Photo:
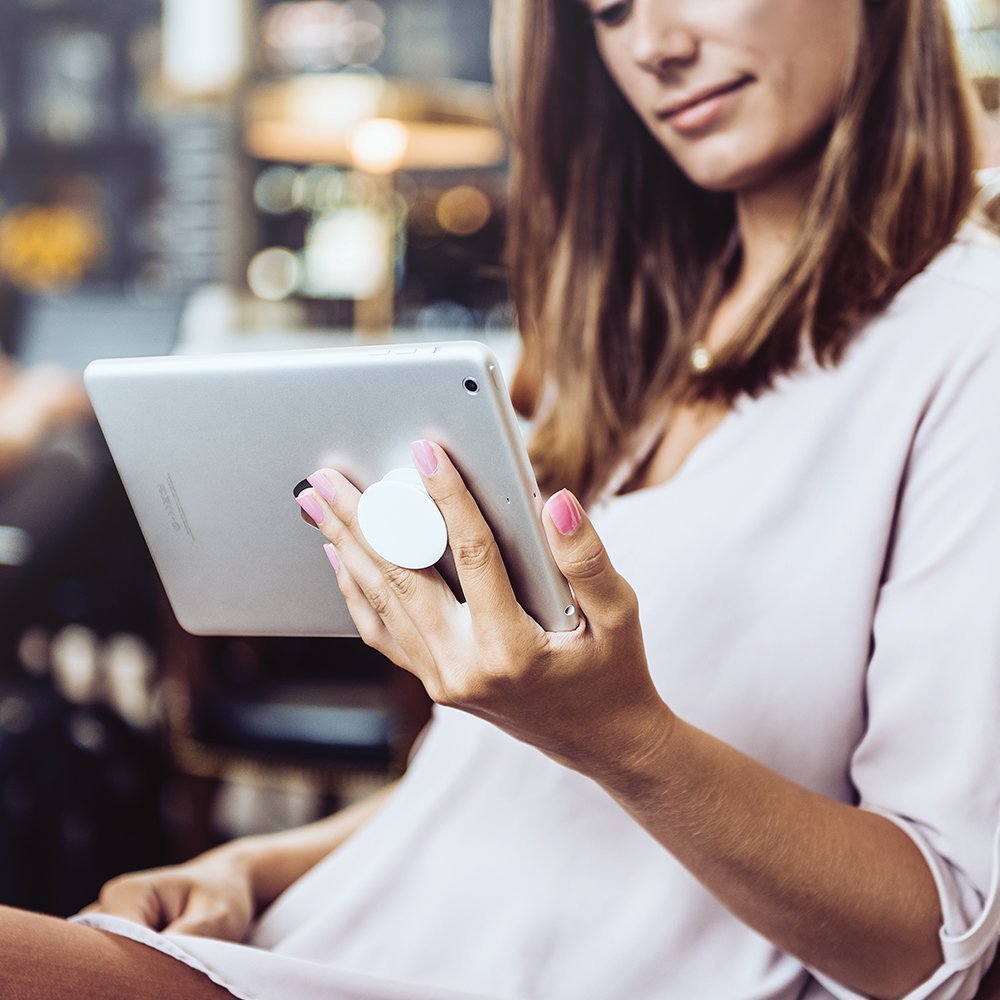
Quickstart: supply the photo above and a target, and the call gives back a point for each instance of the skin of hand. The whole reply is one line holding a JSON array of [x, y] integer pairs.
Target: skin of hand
[[570, 694], [211, 896], [219, 893], [784, 859]]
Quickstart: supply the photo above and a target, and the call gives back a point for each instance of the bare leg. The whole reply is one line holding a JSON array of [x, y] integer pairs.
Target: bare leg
[[44, 958]]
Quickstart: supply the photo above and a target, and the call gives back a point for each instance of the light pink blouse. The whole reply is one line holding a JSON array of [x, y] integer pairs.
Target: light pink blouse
[[820, 587]]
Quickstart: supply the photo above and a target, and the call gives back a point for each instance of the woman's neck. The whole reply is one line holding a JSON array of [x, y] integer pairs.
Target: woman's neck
[[769, 218]]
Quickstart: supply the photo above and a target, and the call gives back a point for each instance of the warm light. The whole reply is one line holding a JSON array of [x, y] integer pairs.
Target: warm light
[[378, 145], [330, 118], [463, 210], [47, 247], [333, 103]]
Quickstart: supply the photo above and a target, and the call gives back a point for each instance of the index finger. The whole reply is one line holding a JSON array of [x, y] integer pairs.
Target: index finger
[[481, 570]]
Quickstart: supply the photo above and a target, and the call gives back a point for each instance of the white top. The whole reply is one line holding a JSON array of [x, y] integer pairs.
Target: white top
[[820, 587]]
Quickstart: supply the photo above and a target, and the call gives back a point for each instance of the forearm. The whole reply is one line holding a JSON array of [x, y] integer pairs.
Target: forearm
[[274, 861], [844, 890]]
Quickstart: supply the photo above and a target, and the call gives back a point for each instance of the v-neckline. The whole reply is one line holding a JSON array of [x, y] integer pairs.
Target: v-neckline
[[694, 457]]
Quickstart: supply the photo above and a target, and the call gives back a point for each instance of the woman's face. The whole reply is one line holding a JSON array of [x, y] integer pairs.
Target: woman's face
[[734, 90]]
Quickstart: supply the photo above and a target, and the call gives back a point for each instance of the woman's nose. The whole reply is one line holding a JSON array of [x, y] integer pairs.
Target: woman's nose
[[660, 36]]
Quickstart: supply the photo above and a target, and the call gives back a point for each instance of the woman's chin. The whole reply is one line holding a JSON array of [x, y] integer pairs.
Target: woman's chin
[[721, 178]]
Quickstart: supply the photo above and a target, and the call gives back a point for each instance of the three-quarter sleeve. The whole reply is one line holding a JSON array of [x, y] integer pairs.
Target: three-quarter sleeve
[[930, 757]]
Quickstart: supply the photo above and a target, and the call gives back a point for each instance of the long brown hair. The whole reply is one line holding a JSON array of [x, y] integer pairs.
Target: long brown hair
[[612, 249]]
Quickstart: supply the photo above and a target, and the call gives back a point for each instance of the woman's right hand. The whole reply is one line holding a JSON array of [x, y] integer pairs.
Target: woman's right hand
[[209, 896]]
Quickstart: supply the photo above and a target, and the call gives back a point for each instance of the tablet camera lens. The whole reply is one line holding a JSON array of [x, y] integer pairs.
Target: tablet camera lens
[[471, 386]]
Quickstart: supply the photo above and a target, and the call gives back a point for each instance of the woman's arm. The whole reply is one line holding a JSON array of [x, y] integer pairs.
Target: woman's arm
[[275, 860], [842, 889]]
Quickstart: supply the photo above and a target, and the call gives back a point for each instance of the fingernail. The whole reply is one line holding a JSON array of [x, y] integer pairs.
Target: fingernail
[[319, 482], [311, 506], [424, 457], [331, 554], [563, 512]]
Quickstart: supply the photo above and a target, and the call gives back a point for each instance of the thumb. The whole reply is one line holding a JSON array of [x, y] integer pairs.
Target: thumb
[[581, 557]]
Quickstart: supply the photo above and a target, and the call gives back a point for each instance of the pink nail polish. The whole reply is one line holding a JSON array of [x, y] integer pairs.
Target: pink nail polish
[[311, 506], [331, 554], [322, 485], [564, 513], [424, 457]]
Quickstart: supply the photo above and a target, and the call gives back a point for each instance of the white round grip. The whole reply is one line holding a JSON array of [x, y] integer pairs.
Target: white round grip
[[401, 522]]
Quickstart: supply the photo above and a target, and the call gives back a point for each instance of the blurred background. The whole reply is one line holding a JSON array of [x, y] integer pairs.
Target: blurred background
[[182, 175]]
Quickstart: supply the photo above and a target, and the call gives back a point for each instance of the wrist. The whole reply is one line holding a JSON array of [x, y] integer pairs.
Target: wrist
[[640, 744], [245, 858]]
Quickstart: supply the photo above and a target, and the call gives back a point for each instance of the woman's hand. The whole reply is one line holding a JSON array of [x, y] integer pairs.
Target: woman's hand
[[218, 894], [211, 896], [584, 697]]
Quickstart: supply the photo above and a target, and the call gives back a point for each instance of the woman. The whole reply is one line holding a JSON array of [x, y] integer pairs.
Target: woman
[[762, 345]]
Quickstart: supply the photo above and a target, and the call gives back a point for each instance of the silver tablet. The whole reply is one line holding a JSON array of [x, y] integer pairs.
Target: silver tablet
[[210, 449]]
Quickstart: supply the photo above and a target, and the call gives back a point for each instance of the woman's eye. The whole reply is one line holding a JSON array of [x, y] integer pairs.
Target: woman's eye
[[611, 15]]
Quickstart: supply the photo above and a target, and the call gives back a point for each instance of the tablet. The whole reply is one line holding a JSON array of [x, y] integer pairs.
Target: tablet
[[211, 448]]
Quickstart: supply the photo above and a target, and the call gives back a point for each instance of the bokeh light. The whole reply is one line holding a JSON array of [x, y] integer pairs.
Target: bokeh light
[[274, 274], [378, 145], [463, 210], [274, 190]]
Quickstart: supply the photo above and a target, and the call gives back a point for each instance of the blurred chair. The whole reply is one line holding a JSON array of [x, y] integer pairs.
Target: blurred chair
[[328, 715]]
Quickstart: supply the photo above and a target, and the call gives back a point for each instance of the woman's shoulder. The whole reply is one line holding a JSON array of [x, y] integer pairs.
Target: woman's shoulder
[[953, 304], [943, 321], [968, 270]]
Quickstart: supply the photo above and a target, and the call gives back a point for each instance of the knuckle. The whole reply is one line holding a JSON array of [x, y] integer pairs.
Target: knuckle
[[116, 887], [336, 531], [380, 599], [473, 553], [624, 611], [374, 638], [586, 563], [449, 493], [348, 518], [402, 581]]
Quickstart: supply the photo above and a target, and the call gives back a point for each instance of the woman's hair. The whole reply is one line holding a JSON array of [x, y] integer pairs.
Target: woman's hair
[[615, 256]]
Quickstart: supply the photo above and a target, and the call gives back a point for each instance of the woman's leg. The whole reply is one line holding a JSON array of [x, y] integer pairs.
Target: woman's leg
[[44, 958]]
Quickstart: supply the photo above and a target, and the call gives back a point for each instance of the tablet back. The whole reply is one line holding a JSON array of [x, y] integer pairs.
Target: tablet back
[[210, 447]]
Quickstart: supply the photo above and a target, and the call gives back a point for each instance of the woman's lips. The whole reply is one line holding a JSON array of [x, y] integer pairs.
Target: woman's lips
[[701, 110]]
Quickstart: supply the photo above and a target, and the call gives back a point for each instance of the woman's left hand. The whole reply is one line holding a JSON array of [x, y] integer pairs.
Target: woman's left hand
[[583, 697]]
